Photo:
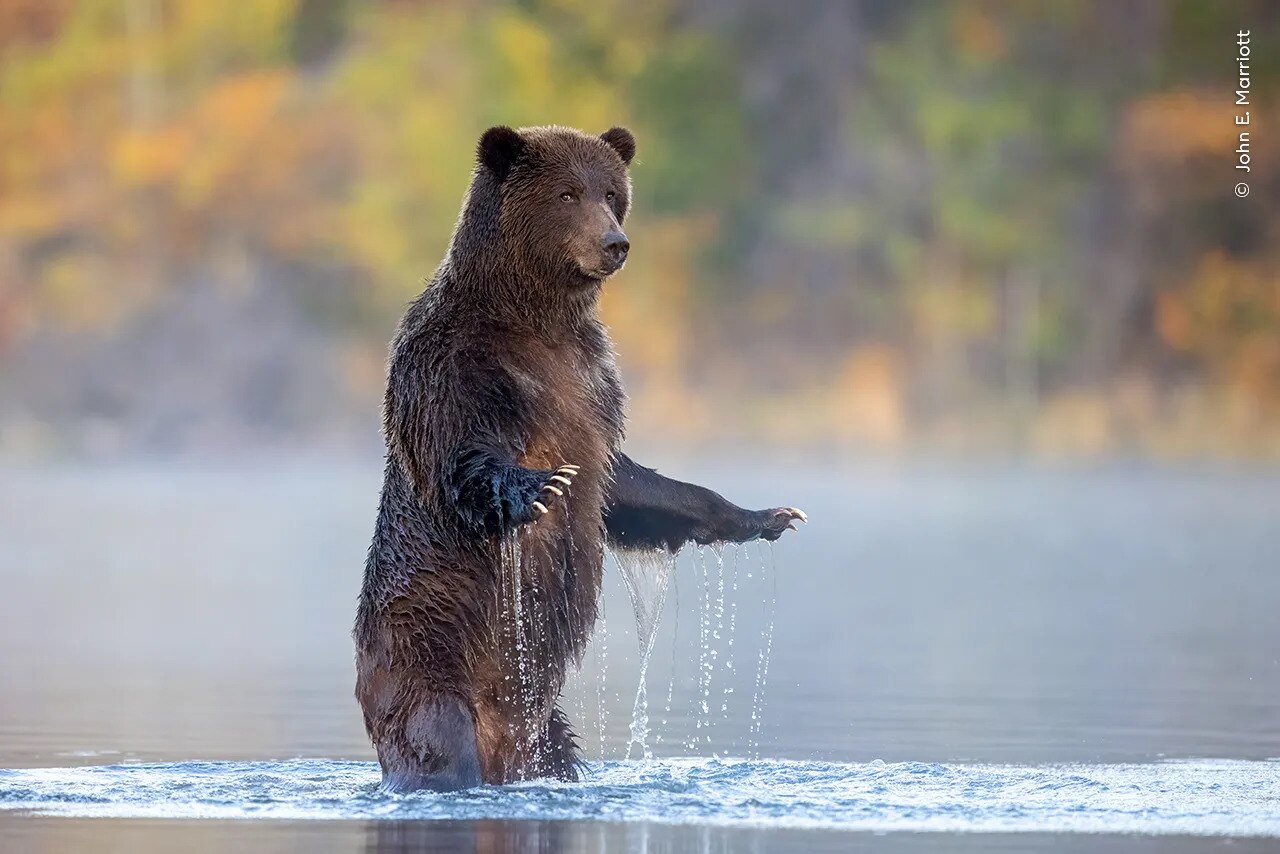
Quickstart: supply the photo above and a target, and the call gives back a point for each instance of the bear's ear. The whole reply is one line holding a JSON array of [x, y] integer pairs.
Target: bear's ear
[[499, 148], [621, 141]]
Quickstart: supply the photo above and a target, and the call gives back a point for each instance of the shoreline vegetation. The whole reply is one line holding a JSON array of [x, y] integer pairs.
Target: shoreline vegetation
[[969, 228]]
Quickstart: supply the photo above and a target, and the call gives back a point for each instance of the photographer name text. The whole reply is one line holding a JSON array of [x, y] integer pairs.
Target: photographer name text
[[1243, 158]]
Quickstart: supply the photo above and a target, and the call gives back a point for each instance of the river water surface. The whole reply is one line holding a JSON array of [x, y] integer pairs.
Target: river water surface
[[944, 658]]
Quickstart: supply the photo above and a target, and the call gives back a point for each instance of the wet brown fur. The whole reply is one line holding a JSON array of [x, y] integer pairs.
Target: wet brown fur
[[504, 352], [500, 372]]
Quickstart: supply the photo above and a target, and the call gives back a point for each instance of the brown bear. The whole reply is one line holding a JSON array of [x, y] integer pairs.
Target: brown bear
[[504, 475]]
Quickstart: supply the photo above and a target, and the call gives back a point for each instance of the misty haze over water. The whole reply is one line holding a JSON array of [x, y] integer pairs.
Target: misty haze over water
[[927, 614]]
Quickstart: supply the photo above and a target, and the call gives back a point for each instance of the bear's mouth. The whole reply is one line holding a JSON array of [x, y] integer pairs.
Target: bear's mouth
[[600, 272]]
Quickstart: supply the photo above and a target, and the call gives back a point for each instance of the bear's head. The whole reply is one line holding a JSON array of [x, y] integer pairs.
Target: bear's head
[[564, 197]]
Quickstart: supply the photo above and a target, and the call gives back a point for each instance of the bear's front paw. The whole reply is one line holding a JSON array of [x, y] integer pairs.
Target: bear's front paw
[[552, 489], [779, 519]]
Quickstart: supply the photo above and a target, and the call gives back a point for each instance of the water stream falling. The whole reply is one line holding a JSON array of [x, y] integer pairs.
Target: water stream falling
[[705, 663], [731, 629], [726, 624], [675, 648], [646, 575], [602, 677], [714, 697], [512, 623], [766, 649], [522, 618]]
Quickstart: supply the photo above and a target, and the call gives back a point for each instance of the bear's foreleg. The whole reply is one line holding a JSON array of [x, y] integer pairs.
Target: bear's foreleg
[[434, 747], [494, 495], [646, 510]]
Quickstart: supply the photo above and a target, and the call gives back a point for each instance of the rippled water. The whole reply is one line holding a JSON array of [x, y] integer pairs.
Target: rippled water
[[1223, 798], [1026, 650]]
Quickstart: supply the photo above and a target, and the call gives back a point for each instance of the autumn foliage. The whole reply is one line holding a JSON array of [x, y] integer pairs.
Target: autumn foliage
[[989, 225]]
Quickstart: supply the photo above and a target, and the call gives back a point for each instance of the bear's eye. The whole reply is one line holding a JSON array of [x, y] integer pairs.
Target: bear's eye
[[609, 196], [566, 196]]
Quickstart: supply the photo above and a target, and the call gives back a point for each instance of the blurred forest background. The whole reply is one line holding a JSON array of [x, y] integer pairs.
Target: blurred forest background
[[971, 227]]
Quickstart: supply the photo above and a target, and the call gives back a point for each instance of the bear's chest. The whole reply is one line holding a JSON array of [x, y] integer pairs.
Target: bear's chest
[[566, 395]]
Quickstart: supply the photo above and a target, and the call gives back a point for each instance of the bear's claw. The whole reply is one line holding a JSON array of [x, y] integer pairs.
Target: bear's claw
[[563, 475], [781, 519]]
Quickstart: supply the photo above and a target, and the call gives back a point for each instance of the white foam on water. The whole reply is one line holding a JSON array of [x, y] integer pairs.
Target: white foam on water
[[1227, 798]]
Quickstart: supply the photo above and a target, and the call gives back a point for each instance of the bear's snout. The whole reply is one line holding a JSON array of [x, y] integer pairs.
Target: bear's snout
[[615, 247]]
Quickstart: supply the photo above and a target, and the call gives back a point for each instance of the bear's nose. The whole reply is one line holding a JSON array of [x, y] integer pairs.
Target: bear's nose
[[616, 246]]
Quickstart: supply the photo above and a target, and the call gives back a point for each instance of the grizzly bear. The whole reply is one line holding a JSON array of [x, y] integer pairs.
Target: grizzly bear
[[505, 478]]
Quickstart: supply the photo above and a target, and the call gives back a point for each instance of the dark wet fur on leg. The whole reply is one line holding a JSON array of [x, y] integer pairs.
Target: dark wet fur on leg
[[437, 750], [560, 752]]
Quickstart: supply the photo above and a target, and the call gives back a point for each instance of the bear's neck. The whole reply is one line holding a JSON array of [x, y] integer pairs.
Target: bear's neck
[[484, 275]]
